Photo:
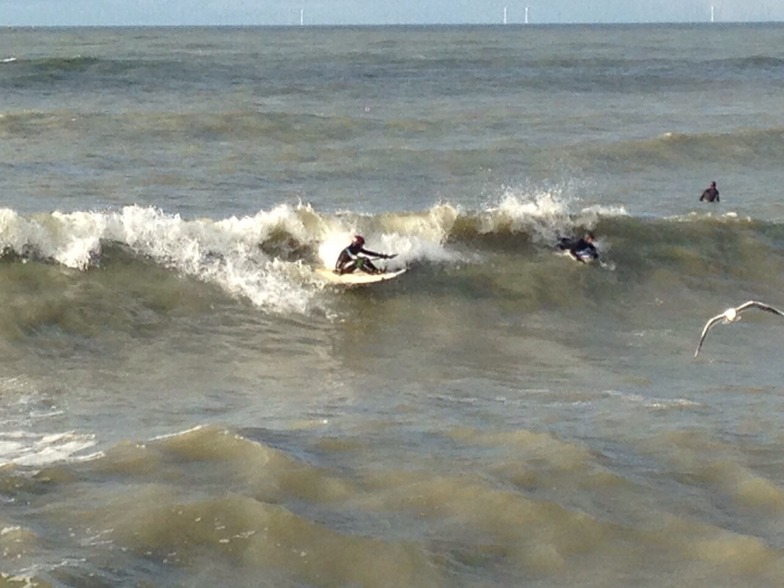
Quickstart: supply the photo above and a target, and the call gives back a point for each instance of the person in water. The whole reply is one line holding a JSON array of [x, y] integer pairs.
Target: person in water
[[581, 249], [711, 194], [355, 257]]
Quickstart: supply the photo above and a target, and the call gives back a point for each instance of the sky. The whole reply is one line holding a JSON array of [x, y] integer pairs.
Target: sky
[[367, 12]]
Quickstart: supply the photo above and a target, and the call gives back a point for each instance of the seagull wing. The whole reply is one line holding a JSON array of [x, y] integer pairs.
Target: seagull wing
[[761, 306], [708, 326]]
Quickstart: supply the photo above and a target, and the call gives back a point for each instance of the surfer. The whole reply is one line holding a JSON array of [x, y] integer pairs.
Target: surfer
[[711, 194], [581, 249], [354, 256]]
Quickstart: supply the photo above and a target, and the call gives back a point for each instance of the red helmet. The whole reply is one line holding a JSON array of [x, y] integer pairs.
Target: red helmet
[[359, 239]]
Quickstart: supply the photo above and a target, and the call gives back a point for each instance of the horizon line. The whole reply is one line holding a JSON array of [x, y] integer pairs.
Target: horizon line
[[520, 24]]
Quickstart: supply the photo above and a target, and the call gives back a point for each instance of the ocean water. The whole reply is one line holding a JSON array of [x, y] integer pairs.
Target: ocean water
[[184, 403]]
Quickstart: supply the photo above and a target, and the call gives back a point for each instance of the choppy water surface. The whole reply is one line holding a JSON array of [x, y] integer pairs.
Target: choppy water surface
[[183, 402]]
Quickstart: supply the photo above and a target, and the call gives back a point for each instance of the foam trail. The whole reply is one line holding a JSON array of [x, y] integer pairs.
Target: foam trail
[[41, 449]]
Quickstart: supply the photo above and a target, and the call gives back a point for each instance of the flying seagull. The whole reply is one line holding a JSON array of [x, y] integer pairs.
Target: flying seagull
[[732, 315]]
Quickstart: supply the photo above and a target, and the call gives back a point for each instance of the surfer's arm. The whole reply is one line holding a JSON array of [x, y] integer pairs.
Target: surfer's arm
[[374, 253]]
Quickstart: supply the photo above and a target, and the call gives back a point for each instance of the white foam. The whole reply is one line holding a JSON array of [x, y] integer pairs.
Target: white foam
[[543, 213], [230, 254], [411, 237], [225, 252], [652, 403], [407, 248], [178, 433], [37, 450], [76, 239]]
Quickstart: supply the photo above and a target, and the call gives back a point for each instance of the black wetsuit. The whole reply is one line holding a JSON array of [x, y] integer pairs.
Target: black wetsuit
[[579, 248], [711, 194], [350, 259]]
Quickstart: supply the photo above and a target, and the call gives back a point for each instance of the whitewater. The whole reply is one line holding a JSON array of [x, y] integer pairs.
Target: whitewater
[[183, 402]]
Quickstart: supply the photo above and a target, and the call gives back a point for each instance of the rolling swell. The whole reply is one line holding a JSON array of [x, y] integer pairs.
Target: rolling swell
[[701, 254], [215, 502], [758, 63], [744, 147], [87, 74], [136, 268]]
